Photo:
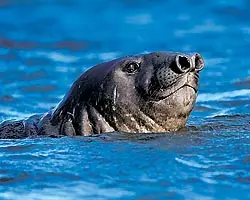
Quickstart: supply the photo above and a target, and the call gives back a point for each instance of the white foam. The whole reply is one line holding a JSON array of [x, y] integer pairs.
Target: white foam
[[205, 97]]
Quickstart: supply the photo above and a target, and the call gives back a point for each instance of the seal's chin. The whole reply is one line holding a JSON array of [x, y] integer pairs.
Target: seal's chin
[[182, 100]]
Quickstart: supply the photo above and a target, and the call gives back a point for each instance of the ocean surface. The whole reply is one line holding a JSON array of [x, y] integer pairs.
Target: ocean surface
[[46, 44]]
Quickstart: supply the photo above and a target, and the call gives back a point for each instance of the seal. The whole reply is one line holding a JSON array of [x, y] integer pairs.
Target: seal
[[152, 92]]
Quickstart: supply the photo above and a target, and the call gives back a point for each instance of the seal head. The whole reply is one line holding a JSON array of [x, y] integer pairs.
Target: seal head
[[146, 93]]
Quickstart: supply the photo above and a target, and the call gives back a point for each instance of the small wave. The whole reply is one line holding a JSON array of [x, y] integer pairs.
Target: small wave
[[208, 26], [222, 112], [208, 180], [13, 113], [216, 61], [139, 19], [79, 190], [65, 69], [105, 56], [223, 95], [46, 105], [191, 163], [17, 148], [246, 30], [58, 57], [189, 194]]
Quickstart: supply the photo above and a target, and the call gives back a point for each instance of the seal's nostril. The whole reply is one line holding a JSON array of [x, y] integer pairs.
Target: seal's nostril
[[183, 63], [199, 62]]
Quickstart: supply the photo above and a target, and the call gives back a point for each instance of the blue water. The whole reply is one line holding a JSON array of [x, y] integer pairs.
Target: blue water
[[46, 44]]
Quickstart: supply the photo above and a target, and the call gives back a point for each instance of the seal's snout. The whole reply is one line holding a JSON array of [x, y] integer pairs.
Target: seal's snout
[[183, 64]]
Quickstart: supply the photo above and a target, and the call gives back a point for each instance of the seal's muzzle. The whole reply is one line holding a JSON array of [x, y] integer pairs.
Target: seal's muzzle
[[176, 67]]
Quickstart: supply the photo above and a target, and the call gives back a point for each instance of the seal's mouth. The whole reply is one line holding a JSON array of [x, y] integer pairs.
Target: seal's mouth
[[188, 80], [175, 91], [189, 85]]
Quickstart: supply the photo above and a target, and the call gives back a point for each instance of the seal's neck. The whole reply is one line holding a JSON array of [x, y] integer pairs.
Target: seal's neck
[[91, 121]]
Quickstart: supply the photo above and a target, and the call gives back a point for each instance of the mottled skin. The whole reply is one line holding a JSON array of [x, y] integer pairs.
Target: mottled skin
[[146, 93]]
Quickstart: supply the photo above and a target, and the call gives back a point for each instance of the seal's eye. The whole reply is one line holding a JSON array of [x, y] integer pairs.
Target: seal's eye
[[131, 67]]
